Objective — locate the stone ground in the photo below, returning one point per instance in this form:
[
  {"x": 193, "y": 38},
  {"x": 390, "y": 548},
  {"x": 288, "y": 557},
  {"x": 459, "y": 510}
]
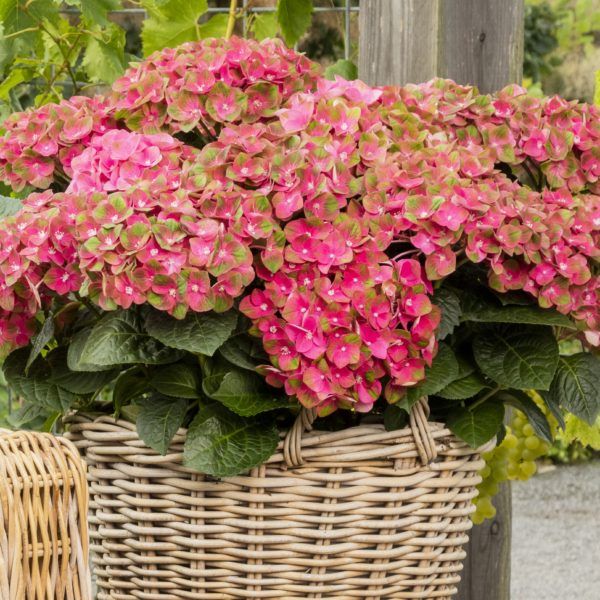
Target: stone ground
[{"x": 556, "y": 535}]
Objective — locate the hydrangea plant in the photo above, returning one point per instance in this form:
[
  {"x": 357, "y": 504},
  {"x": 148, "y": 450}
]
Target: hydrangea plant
[{"x": 230, "y": 236}]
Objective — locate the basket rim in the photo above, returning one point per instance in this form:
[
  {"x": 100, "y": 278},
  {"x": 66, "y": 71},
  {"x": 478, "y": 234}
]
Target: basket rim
[{"x": 369, "y": 441}]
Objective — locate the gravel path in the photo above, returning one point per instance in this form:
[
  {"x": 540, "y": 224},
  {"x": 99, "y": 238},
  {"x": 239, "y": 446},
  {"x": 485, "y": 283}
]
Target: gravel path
[{"x": 556, "y": 535}]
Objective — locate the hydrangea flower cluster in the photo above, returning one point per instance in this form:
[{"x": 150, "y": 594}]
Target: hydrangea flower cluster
[
  {"x": 40, "y": 144},
  {"x": 231, "y": 170}
]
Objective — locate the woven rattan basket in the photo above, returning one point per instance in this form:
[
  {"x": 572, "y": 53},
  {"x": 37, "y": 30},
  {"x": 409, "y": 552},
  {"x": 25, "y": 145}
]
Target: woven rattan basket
[
  {"x": 43, "y": 519},
  {"x": 362, "y": 517}
]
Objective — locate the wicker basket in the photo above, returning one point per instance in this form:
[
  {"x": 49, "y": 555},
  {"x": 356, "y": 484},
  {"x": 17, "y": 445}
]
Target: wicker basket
[
  {"x": 360, "y": 518},
  {"x": 43, "y": 526}
]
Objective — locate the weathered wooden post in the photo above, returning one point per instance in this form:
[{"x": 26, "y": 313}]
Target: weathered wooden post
[{"x": 476, "y": 42}]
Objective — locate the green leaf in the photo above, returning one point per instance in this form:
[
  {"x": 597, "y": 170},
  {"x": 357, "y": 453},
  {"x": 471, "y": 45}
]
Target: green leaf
[
  {"x": 215, "y": 27},
  {"x": 118, "y": 338},
  {"x": 200, "y": 333},
  {"x": 159, "y": 419},
  {"x": 36, "y": 387},
  {"x": 39, "y": 341},
  {"x": 576, "y": 386},
  {"x": 129, "y": 386},
  {"x": 223, "y": 444},
  {"x": 521, "y": 357},
  {"x": 521, "y": 401},
  {"x": 344, "y": 68},
  {"x": 9, "y": 206},
  {"x": 394, "y": 417},
  {"x": 246, "y": 394},
  {"x": 104, "y": 56},
  {"x": 26, "y": 414},
  {"x": 264, "y": 25},
  {"x": 477, "y": 308},
  {"x": 443, "y": 370},
  {"x": 179, "y": 380},
  {"x": 96, "y": 11},
  {"x": 12, "y": 80},
  {"x": 463, "y": 388},
  {"x": 77, "y": 382},
  {"x": 478, "y": 425},
  {"x": 295, "y": 17},
  {"x": 449, "y": 303},
  {"x": 244, "y": 352},
  {"x": 171, "y": 23},
  {"x": 75, "y": 360}
]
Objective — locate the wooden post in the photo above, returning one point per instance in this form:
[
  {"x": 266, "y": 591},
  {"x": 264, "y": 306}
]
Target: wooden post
[{"x": 478, "y": 42}]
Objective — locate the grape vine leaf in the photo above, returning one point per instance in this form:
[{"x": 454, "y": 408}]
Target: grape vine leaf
[
  {"x": 104, "y": 55},
  {"x": 344, "y": 68},
  {"x": 171, "y": 23},
  {"x": 264, "y": 25},
  {"x": 294, "y": 17}
]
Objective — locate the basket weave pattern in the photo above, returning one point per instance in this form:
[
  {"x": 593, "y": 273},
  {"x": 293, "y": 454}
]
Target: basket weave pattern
[
  {"x": 361, "y": 518},
  {"x": 43, "y": 519}
]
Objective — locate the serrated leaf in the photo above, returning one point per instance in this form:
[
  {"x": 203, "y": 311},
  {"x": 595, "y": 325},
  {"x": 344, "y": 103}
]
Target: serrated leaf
[
  {"x": 36, "y": 387},
  {"x": 264, "y": 25},
  {"x": 521, "y": 401},
  {"x": 344, "y": 68},
  {"x": 26, "y": 414},
  {"x": 172, "y": 23},
  {"x": 478, "y": 425},
  {"x": 104, "y": 55},
  {"x": 244, "y": 352},
  {"x": 576, "y": 386},
  {"x": 294, "y": 17},
  {"x": 77, "y": 382},
  {"x": 223, "y": 444},
  {"x": 38, "y": 343},
  {"x": 75, "y": 353},
  {"x": 215, "y": 27},
  {"x": 200, "y": 333},
  {"x": 443, "y": 370},
  {"x": 9, "y": 206},
  {"x": 118, "y": 339},
  {"x": 463, "y": 388},
  {"x": 520, "y": 357},
  {"x": 12, "y": 80},
  {"x": 159, "y": 419},
  {"x": 582, "y": 432},
  {"x": 129, "y": 386},
  {"x": 179, "y": 380},
  {"x": 478, "y": 309},
  {"x": 246, "y": 394},
  {"x": 96, "y": 11},
  {"x": 449, "y": 303}
]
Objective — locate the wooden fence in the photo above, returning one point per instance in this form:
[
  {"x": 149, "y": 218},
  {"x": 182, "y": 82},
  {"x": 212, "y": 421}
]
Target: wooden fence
[{"x": 476, "y": 42}]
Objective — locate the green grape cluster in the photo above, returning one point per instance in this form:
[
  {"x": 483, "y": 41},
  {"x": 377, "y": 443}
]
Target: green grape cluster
[{"x": 512, "y": 460}]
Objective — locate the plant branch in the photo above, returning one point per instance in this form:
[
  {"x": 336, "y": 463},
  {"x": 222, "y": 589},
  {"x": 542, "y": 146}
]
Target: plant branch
[{"x": 231, "y": 19}]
